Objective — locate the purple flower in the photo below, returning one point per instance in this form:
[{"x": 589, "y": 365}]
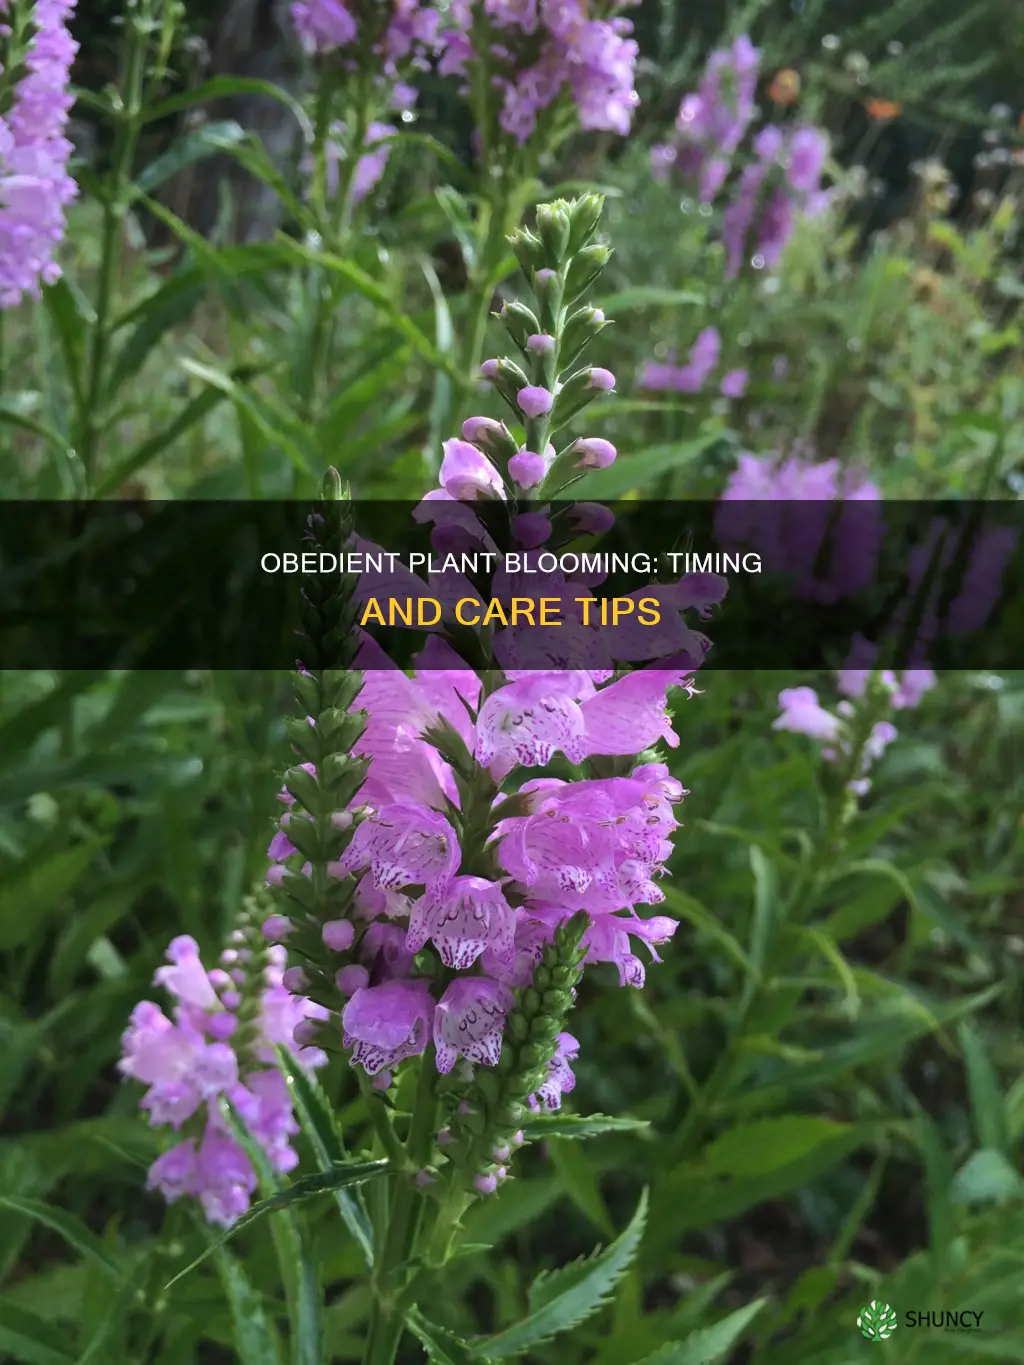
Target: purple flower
[
  {"x": 323, "y": 25},
  {"x": 527, "y": 722},
  {"x": 404, "y": 845},
  {"x": 803, "y": 714},
  {"x": 734, "y": 384},
  {"x": 469, "y": 1020},
  {"x": 385, "y": 1024},
  {"x": 560, "y": 1079},
  {"x": 467, "y": 474},
  {"x": 464, "y": 918}
]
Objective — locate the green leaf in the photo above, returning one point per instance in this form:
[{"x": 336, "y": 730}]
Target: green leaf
[
  {"x": 113, "y": 1315},
  {"x": 31, "y": 1339},
  {"x": 988, "y": 1110},
  {"x": 300, "y": 1191},
  {"x": 40, "y": 884},
  {"x": 190, "y": 416},
  {"x": 709, "y": 1343},
  {"x": 67, "y": 1226},
  {"x": 648, "y": 296},
  {"x": 72, "y": 317},
  {"x": 222, "y": 87},
  {"x": 254, "y": 1339},
  {"x": 581, "y": 1184},
  {"x": 566, "y": 1297},
  {"x": 198, "y": 144},
  {"x": 986, "y": 1177},
  {"x": 753, "y": 1149},
  {"x": 539, "y": 1127},
  {"x": 371, "y": 291},
  {"x": 442, "y": 1347},
  {"x": 275, "y": 422},
  {"x": 320, "y": 1127},
  {"x": 14, "y": 413}
]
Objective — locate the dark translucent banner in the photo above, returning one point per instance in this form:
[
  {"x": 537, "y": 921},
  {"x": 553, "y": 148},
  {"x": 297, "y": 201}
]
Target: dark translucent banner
[{"x": 786, "y": 585}]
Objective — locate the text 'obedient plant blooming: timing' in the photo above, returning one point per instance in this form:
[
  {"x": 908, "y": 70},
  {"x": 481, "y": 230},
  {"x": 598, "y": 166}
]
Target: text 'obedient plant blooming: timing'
[{"x": 35, "y": 187}]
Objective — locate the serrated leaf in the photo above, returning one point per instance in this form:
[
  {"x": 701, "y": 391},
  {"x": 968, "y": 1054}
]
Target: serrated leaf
[
  {"x": 570, "y": 1295},
  {"x": 540, "y": 1127},
  {"x": 320, "y": 1127},
  {"x": 708, "y": 1344},
  {"x": 442, "y": 1347},
  {"x": 67, "y": 1226},
  {"x": 300, "y": 1191},
  {"x": 253, "y": 1338}
]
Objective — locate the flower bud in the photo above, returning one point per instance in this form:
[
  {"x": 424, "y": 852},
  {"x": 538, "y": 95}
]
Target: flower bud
[
  {"x": 338, "y": 935},
  {"x": 276, "y": 928},
  {"x": 584, "y": 216},
  {"x": 584, "y": 269},
  {"x": 490, "y": 436},
  {"x": 554, "y": 226},
  {"x": 520, "y": 321},
  {"x": 528, "y": 248}
]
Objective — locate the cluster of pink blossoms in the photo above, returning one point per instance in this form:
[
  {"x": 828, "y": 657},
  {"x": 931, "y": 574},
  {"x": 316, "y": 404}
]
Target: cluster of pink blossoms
[
  {"x": 781, "y": 177},
  {"x": 803, "y": 714},
  {"x": 594, "y": 844},
  {"x": 534, "y": 50},
  {"x": 702, "y": 362},
  {"x": 207, "y": 1051},
  {"x": 35, "y": 187},
  {"x": 401, "y": 32}
]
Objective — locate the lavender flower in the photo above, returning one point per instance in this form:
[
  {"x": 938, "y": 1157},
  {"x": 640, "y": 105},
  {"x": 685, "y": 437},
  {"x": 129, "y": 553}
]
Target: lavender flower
[
  {"x": 855, "y": 735},
  {"x": 535, "y": 54},
  {"x": 35, "y": 187},
  {"x": 218, "y": 1045}
]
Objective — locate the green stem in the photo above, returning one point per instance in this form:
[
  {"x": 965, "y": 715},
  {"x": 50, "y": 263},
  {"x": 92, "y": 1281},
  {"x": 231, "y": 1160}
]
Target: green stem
[
  {"x": 336, "y": 224},
  {"x": 387, "y": 1317},
  {"x": 115, "y": 209}
]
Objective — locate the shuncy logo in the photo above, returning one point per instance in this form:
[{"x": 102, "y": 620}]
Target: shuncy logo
[{"x": 877, "y": 1321}]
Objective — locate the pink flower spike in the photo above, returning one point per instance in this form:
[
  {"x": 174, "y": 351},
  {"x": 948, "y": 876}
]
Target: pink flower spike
[{"x": 534, "y": 401}]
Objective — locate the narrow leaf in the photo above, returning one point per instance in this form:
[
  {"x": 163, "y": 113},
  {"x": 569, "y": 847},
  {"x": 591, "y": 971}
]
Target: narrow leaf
[
  {"x": 28, "y": 1338},
  {"x": 320, "y": 1127},
  {"x": 254, "y": 1339},
  {"x": 66, "y": 1225},
  {"x": 442, "y": 1347},
  {"x": 709, "y": 1343},
  {"x": 298, "y": 1192},
  {"x": 539, "y": 1127},
  {"x": 584, "y": 1289}
]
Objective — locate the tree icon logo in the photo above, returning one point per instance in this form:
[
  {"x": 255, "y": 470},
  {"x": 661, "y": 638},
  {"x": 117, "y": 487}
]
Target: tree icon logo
[{"x": 877, "y": 1321}]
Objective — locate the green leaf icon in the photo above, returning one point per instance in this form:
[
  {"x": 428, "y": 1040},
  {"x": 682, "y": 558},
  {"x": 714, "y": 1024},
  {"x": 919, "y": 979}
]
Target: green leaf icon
[{"x": 877, "y": 1321}]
